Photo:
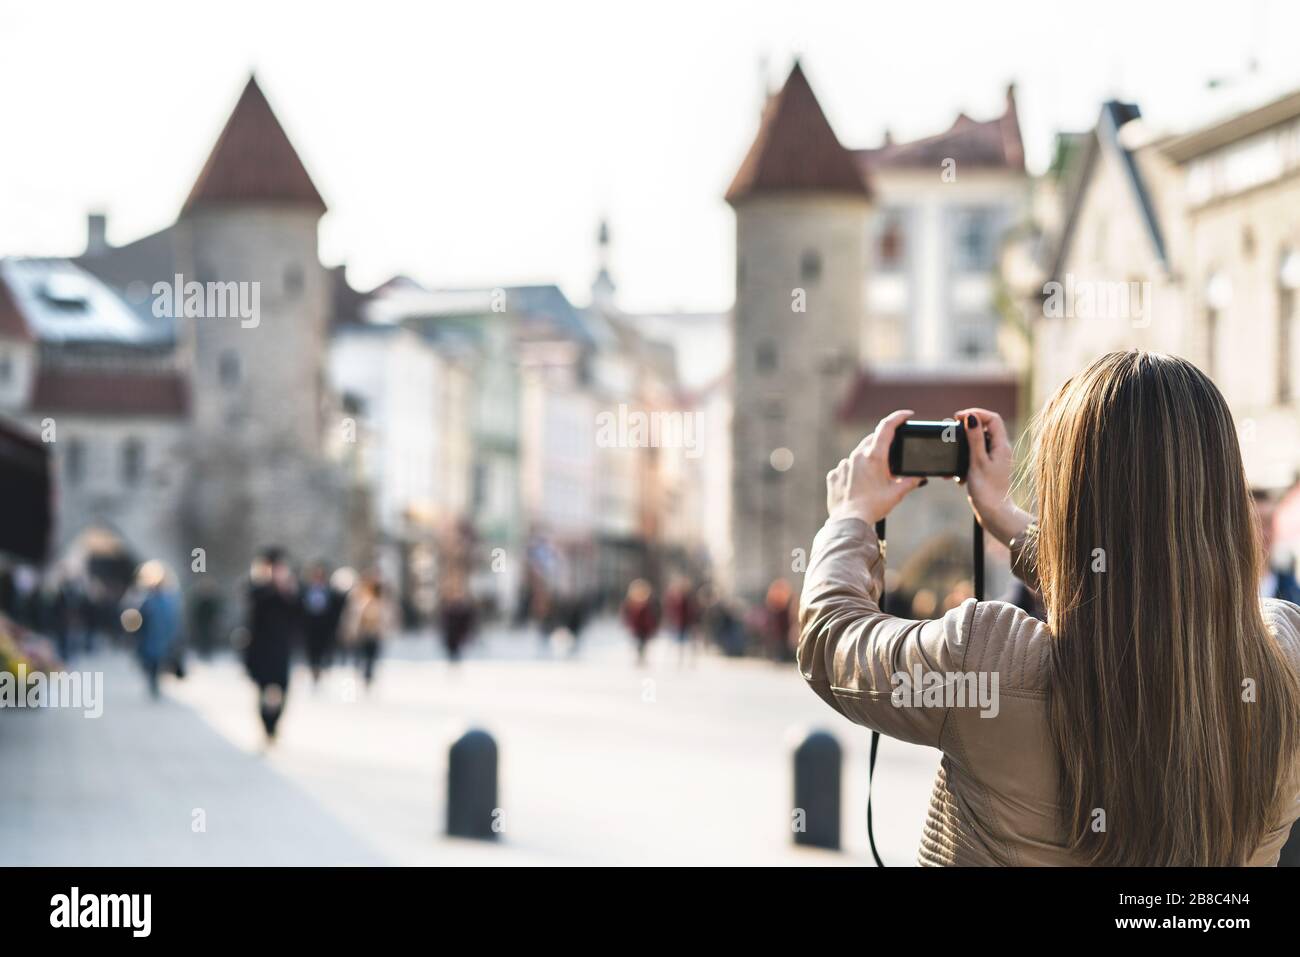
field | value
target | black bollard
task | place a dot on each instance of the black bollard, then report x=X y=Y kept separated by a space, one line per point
x=816 y=816
x=472 y=786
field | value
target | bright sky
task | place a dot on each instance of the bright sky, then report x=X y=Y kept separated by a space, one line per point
x=479 y=143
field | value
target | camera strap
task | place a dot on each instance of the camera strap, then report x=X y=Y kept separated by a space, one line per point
x=977 y=580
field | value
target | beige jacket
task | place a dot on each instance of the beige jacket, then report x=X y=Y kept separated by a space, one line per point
x=995 y=797
x=365 y=616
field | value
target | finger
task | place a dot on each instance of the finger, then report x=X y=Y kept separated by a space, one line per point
x=885 y=430
x=979 y=453
x=902 y=486
x=993 y=425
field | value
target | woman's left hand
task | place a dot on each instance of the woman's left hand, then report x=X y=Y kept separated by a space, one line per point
x=861 y=486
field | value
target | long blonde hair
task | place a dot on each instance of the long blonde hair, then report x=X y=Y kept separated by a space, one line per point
x=1174 y=713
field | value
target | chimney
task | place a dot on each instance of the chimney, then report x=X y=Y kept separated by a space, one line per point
x=96 y=233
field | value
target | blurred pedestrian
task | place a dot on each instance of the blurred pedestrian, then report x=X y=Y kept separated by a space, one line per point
x=779 y=608
x=368 y=619
x=1277 y=574
x=723 y=622
x=275 y=620
x=456 y=616
x=157 y=620
x=322 y=608
x=683 y=613
x=205 y=611
x=641 y=615
x=577 y=612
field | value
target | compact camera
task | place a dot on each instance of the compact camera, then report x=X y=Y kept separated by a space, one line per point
x=930 y=448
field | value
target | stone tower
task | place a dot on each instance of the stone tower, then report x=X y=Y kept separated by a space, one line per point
x=258 y=384
x=802 y=209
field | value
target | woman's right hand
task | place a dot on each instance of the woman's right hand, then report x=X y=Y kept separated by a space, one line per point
x=988 y=480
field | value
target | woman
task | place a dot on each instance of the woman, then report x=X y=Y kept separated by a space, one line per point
x=367 y=620
x=457 y=616
x=274 y=621
x=159 y=621
x=683 y=613
x=322 y=608
x=1154 y=718
x=778 y=607
x=641 y=615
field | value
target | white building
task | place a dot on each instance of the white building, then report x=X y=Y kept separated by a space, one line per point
x=1188 y=244
x=413 y=424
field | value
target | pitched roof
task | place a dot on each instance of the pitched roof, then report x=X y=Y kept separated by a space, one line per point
x=110 y=392
x=253 y=161
x=796 y=149
x=1106 y=137
x=980 y=144
x=56 y=301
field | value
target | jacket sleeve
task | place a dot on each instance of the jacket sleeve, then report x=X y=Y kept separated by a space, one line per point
x=1024 y=556
x=869 y=666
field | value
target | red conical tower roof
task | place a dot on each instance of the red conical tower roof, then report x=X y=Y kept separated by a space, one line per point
x=253 y=161
x=796 y=149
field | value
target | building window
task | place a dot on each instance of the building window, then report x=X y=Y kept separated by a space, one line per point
x=890 y=246
x=479 y=477
x=74 y=462
x=1285 y=326
x=976 y=336
x=974 y=252
x=1218 y=295
x=765 y=356
x=810 y=266
x=132 y=461
x=229 y=369
x=1288 y=281
x=292 y=280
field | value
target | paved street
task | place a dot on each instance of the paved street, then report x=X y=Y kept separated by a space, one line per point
x=601 y=763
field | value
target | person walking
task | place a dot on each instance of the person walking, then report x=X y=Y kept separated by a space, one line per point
x=456 y=616
x=322 y=608
x=159 y=623
x=275 y=621
x=683 y=614
x=778 y=606
x=641 y=615
x=205 y=612
x=368 y=619
x=1153 y=717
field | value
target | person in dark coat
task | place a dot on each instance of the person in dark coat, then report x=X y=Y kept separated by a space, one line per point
x=275 y=620
x=205 y=613
x=322 y=607
x=641 y=615
x=780 y=616
x=683 y=613
x=576 y=612
x=457 y=616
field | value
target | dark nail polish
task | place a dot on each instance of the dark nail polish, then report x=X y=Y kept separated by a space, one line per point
x=923 y=481
x=971 y=421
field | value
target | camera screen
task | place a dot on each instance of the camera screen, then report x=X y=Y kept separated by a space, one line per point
x=929 y=454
